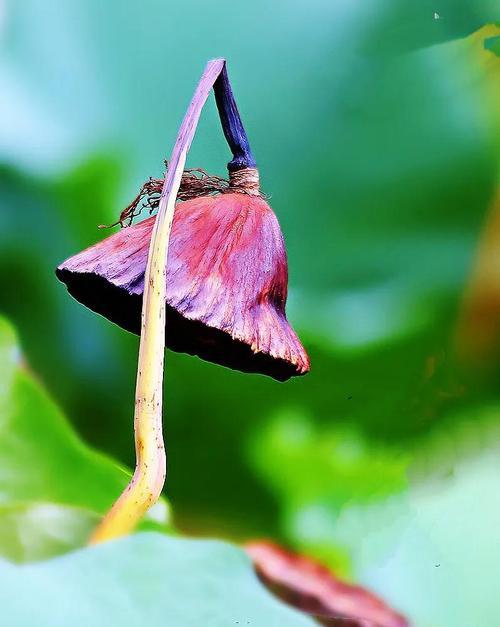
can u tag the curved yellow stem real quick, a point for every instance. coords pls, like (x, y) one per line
(147, 482)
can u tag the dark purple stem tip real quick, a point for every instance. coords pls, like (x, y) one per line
(232, 125)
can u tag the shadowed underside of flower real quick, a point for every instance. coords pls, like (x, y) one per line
(312, 588)
(226, 284)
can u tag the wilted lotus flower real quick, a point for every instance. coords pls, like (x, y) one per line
(226, 279)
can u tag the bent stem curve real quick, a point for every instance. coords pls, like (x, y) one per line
(147, 482)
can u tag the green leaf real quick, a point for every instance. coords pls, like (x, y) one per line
(147, 579)
(421, 527)
(47, 474)
(318, 471)
(42, 457)
(493, 44)
(334, 464)
(442, 535)
(29, 533)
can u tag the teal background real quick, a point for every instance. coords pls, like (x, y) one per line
(375, 126)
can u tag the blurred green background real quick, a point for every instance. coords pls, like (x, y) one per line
(376, 128)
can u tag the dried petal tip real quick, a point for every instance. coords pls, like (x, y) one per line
(226, 284)
(312, 588)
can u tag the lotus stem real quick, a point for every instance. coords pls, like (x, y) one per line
(147, 482)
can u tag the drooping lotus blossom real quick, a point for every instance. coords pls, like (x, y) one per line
(226, 281)
(226, 274)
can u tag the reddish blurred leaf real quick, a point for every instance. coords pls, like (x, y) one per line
(312, 588)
